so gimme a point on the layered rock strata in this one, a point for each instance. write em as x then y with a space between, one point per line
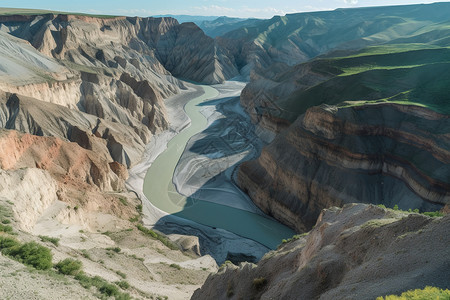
382 154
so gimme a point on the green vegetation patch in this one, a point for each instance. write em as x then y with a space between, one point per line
121 274
421 294
5 214
294 238
386 74
32 254
124 285
104 287
54 241
175 266
432 214
163 239
115 249
69 266
6 228
85 254
123 201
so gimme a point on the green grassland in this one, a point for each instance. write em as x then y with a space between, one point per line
395 73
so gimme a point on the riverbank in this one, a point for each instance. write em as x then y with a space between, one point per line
219 243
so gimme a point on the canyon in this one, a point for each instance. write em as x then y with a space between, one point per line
157 153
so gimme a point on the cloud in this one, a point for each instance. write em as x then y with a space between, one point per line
351 2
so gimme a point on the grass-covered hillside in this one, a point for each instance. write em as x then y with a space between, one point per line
296 38
407 74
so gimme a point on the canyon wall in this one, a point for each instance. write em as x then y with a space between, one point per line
357 252
371 128
382 154
147 48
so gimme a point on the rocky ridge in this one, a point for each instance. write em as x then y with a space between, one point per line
356 252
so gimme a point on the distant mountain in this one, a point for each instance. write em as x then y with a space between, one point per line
296 38
223 25
198 20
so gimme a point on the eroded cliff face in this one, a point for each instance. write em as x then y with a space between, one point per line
382 154
67 162
112 140
144 47
356 252
115 69
52 180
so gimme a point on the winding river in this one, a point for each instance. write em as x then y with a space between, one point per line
160 190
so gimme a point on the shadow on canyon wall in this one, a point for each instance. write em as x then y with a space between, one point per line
224 144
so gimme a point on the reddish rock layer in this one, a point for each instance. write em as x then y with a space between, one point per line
382 154
67 162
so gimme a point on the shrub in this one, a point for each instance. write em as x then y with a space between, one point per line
259 283
175 266
426 293
102 285
85 254
433 214
139 208
115 249
84 280
124 285
163 239
123 275
69 266
293 238
6 221
6 228
108 289
54 241
7 243
122 296
123 201
32 254
395 207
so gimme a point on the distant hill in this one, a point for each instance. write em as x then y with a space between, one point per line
296 38
413 74
198 20
223 25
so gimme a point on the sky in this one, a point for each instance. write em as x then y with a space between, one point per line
231 8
